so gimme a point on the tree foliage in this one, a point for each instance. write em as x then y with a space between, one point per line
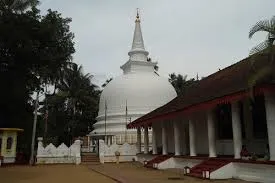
34 49
267 26
266 47
181 83
72 109
17 6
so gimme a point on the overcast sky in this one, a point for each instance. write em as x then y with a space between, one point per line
183 36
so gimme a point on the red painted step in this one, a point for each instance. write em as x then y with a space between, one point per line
210 165
157 160
89 157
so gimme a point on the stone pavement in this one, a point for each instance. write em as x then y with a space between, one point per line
136 173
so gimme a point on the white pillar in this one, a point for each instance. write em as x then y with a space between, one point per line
211 134
109 140
270 121
146 140
192 138
120 139
88 143
114 139
164 140
138 140
177 138
105 139
154 140
237 131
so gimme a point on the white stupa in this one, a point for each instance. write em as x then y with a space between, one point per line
136 92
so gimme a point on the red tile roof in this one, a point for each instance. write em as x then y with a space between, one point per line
231 80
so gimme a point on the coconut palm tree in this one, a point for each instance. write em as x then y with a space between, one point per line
18 5
177 81
267 26
76 88
74 105
266 47
181 83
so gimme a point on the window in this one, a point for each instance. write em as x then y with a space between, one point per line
9 143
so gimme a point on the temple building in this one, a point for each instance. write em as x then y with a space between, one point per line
223 127
131 95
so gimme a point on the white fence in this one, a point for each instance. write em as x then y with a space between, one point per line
107 153
61 154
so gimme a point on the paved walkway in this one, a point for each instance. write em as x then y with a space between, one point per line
51 174
136 173
96 173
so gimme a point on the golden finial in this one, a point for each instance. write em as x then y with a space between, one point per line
137 17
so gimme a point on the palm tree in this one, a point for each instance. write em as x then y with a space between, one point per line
18 5
266 47
181 83
267 26
76 88
74 105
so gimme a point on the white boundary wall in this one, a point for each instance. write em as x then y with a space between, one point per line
61 154
107 153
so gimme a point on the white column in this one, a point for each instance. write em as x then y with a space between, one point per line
237 131
105 139
88 143
211 134
138 140
270 120
109 140
146 140
177 138
192 138
120 139
164 140
154 140
114 139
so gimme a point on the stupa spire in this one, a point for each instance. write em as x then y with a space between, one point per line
138 48
137 17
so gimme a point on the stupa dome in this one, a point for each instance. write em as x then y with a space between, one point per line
135 93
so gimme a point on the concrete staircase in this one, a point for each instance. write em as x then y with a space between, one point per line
156 160
209 165
89 158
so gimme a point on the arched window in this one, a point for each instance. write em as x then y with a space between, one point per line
9 143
